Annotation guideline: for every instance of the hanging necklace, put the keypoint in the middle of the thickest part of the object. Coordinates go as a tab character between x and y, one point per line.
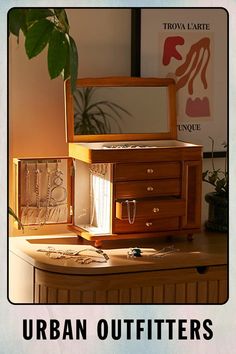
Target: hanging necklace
37	191
27	193
131	218
58	192
48	194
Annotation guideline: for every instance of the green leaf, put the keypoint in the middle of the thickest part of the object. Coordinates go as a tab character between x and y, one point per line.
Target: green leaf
62	17
66	69
11	212
73	63
220	185
17	21
37	14
204	174
37	37
212	179
57	53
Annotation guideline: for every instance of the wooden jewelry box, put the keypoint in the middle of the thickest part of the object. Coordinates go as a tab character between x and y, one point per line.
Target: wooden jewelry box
127	175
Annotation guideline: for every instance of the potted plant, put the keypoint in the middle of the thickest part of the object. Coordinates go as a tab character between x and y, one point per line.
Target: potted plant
92	115
218	199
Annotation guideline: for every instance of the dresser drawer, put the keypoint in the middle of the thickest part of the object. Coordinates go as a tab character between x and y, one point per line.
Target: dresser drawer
146	225
151	188
152	209
143	171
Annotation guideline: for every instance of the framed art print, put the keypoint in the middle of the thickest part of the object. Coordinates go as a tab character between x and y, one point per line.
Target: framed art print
191	46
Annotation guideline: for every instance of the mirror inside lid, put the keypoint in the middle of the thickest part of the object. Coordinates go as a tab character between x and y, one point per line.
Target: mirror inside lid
120	109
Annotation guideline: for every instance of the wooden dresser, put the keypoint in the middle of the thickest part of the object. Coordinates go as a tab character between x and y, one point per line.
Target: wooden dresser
196	273
128	181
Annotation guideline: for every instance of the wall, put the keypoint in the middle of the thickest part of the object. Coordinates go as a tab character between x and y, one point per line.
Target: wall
36	103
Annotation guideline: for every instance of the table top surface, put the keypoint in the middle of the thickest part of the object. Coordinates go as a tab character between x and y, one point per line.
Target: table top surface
69	254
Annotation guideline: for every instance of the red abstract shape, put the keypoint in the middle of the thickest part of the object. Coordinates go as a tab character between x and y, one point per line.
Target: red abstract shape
170	49
193	56
198	107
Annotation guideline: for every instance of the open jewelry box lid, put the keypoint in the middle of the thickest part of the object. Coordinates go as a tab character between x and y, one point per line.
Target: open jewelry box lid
120	109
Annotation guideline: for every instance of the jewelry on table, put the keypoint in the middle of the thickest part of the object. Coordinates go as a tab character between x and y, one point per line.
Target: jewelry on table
164	251
75	255
137	252
134	252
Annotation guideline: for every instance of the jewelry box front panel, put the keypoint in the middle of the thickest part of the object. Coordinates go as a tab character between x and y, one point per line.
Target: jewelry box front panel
43	190
65	190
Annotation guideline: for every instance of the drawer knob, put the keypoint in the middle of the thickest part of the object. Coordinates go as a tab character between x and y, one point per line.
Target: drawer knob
148	224
150	188
156	210
150	170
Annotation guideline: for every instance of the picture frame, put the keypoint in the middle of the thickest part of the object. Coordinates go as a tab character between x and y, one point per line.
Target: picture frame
150	24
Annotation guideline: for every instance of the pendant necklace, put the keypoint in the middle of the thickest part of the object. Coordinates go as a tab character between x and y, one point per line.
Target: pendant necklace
58	192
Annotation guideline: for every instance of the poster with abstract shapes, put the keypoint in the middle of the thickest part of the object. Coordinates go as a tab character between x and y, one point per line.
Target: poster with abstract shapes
187	57
191	47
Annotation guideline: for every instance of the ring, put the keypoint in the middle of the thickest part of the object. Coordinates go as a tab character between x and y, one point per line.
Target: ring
134	252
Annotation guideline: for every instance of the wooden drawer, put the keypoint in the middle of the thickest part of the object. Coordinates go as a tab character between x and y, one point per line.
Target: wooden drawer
152	188
143	171
152	209
146	225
